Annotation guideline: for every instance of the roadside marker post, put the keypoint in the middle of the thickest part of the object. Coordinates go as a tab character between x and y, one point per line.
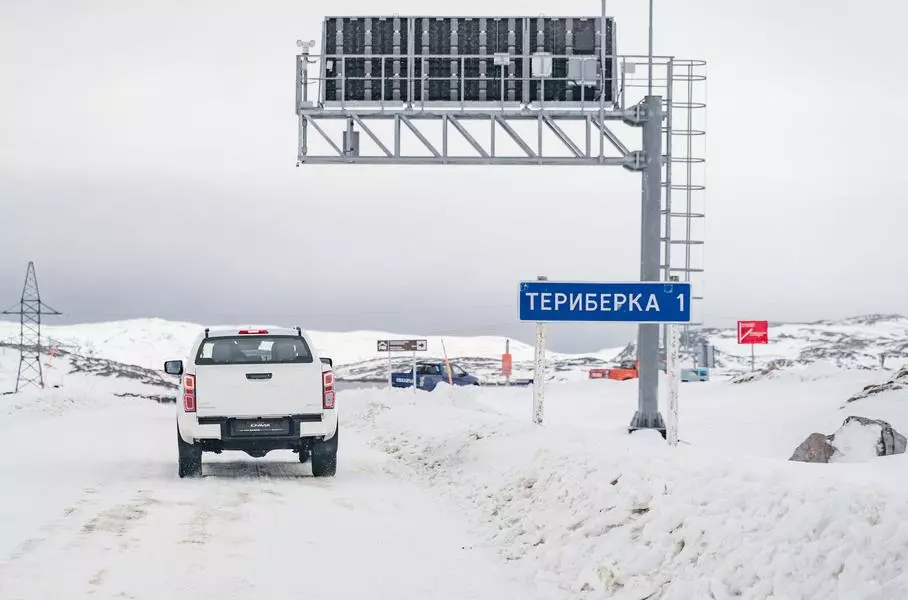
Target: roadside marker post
539	368
507	363
447	363
673	369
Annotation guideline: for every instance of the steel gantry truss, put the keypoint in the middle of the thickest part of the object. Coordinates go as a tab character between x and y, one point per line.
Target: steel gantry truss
548	126
662	98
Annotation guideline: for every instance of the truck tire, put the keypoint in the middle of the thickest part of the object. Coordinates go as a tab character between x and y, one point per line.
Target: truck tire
190	458
324	456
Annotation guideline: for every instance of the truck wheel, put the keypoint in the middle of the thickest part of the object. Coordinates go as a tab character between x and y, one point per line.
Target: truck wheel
190	458
324	456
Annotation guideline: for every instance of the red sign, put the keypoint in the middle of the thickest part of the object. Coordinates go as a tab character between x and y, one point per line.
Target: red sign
598	373
753	332
506	365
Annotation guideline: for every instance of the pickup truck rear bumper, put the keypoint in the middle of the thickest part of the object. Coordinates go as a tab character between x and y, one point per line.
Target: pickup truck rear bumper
216	433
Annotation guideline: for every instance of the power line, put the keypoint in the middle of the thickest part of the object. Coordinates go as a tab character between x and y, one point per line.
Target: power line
30	310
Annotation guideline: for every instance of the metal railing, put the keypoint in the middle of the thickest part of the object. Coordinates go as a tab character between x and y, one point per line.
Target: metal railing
402	82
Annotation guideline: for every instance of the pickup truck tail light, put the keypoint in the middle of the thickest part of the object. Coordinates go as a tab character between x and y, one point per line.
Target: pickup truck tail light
328	389
189	393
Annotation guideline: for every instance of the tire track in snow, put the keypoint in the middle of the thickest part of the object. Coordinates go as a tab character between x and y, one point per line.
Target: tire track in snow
98	525
33	544
248	529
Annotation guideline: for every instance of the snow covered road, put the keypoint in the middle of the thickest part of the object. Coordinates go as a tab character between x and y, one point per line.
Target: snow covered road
99	512
456	495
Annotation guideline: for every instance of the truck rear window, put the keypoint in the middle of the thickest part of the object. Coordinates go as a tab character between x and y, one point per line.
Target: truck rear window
253	350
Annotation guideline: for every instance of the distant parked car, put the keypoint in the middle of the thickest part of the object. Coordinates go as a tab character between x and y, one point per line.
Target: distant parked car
688	375
625	371
430	373
629	370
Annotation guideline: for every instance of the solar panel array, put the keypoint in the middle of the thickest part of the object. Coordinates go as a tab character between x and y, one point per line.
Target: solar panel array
450	59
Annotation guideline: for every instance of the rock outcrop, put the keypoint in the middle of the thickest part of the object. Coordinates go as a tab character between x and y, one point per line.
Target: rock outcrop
859	438
898	382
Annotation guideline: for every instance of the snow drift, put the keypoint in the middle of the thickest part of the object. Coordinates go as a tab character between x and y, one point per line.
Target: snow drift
594	513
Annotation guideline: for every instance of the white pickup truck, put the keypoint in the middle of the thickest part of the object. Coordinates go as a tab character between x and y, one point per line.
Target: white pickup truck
255	390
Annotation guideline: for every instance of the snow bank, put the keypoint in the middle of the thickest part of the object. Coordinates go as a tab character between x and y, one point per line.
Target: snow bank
595	513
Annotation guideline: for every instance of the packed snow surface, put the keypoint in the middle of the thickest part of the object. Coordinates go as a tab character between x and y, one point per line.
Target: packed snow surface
455	494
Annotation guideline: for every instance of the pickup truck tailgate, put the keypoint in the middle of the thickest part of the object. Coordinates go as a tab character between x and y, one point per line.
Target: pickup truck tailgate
259	390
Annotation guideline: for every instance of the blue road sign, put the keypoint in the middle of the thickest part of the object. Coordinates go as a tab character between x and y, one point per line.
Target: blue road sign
640	302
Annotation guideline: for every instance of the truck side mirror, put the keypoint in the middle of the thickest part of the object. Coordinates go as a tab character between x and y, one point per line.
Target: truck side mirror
173	367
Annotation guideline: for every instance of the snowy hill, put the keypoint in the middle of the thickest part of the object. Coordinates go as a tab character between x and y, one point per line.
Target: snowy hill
72	380
854	343
149	342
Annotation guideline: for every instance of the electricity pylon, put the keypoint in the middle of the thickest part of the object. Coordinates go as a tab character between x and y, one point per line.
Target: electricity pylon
30	310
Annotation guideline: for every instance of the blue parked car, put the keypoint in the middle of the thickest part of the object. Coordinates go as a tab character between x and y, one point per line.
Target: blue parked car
688	375
430	373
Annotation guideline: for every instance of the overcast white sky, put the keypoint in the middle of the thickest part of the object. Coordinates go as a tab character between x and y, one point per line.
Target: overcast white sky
147	165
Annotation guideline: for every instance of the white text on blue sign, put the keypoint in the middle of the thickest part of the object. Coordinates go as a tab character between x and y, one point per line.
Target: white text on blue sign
644	302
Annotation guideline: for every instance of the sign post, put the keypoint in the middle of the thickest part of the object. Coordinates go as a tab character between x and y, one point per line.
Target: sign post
673	369
649	302
391	346
753	333
539	368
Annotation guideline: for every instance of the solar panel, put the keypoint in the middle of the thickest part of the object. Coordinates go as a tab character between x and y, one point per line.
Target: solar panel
451	59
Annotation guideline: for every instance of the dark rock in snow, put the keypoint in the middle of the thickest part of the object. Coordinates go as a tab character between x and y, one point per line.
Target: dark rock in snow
156	397
820	448
775	365
815	449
